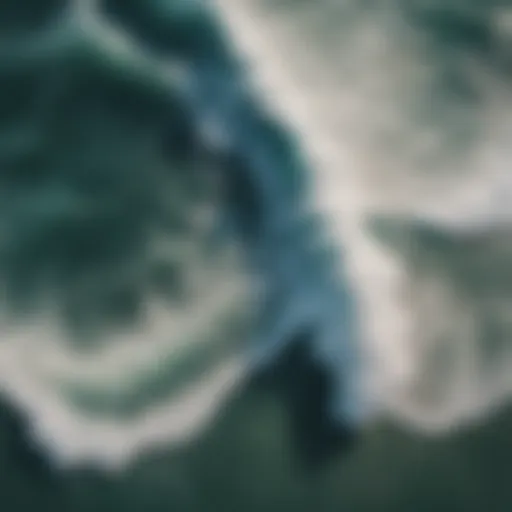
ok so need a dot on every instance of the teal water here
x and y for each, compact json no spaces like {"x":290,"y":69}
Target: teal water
{"x":123,"y":126}
{"x":244,"y":463}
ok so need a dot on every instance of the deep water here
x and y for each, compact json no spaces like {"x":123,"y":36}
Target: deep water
{"x":246,"y":463}
{"x":102,"y":144}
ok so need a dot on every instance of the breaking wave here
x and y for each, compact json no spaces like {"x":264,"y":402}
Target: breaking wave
{"x":403,"y":111}
{"x":163,"y":234}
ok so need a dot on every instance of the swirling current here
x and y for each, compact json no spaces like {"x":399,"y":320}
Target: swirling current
{"x":188,"y":187}
{"x":156,"y":230}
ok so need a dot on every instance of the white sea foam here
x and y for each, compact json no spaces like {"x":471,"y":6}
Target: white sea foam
{"x":345,"y":82}
{"x":335,"y":100}
{"x":39,"y":363}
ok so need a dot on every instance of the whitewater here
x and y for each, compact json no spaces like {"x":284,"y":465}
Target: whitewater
{"x":418,"y":352}
{"x":344,"y":76}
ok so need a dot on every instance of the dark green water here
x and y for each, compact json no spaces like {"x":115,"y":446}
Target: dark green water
{"x":244,"y":464}
{"x":77,"y":118}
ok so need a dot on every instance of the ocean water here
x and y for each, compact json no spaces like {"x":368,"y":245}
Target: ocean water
{"x":189,"y":186}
